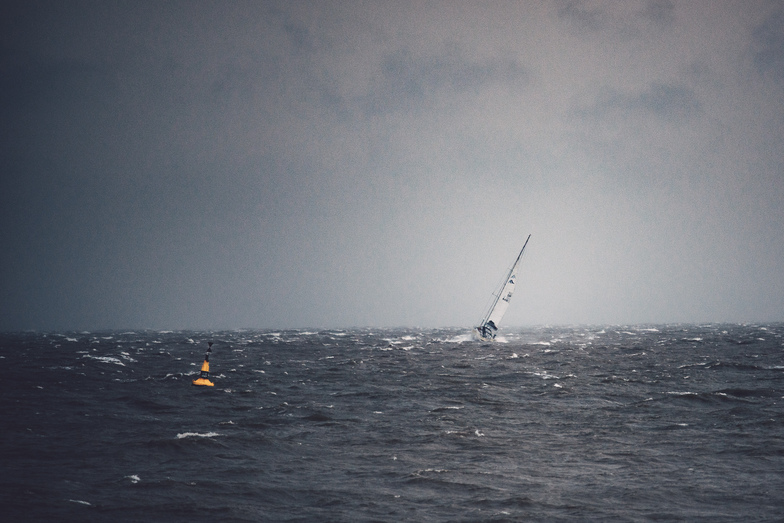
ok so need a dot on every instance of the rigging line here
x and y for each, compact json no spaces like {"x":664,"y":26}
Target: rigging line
{"x":508,"y":275}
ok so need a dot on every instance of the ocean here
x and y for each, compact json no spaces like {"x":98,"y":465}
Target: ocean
{"x":602,"y":423}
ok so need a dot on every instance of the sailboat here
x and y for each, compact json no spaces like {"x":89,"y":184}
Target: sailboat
{"x":489,"y":325}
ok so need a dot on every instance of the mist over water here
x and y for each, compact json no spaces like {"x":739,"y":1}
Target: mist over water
{"x":674,"y":422}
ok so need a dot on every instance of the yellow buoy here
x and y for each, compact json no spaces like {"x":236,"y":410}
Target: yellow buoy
{"x":205,"y":370}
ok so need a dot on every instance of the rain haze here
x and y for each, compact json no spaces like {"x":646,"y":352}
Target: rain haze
{"x":173,"y":165}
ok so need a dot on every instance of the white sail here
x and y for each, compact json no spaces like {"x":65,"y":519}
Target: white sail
{"x":489,"y":326}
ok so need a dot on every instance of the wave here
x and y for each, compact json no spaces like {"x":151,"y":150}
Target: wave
{"x":460,"y":338}
{"x":105,"y":359}
{"x":197,"y":435}
{"x":749,"y":393}
{"x":348,"y":432}
{"x":733,"y":365}
{"x":740,"y":395}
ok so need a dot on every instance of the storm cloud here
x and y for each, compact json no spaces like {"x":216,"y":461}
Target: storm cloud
{"x":337,"y":164}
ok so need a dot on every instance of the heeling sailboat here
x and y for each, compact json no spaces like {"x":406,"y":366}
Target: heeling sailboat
{"x":489,"y":325}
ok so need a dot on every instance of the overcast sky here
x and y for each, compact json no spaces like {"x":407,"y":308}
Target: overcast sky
{"x":173,"y":165}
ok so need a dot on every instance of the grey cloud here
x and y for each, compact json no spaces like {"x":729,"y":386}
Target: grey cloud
{"x":598,"y":19}
{"x":24,"y":85}
{"x":667,"y":102}
{"x":769,"y":46}
{"x":584,"y":18}
{"x":272,"y":164}
{"x":299,"y":36}
{"x":660,"y":12}
{"x":405,"y":81}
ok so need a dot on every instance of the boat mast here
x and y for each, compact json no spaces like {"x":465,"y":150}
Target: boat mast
{"x":500,"y":290}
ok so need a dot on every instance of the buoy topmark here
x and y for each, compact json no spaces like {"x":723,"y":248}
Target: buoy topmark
{"x":205,"y":370}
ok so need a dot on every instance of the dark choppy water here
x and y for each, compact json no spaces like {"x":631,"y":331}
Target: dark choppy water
{"x":554,"y":424}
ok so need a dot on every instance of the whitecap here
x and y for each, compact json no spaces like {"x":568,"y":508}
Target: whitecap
{"x":197,"y":435}
{"x":461,"y":338}
{"x":80,"y":501}
{"x":675,"y":393}
{"x":105,"y":359}
{"x":134,"y":478}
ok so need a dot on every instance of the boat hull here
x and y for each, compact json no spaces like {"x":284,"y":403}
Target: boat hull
{"x":479,"y":337}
